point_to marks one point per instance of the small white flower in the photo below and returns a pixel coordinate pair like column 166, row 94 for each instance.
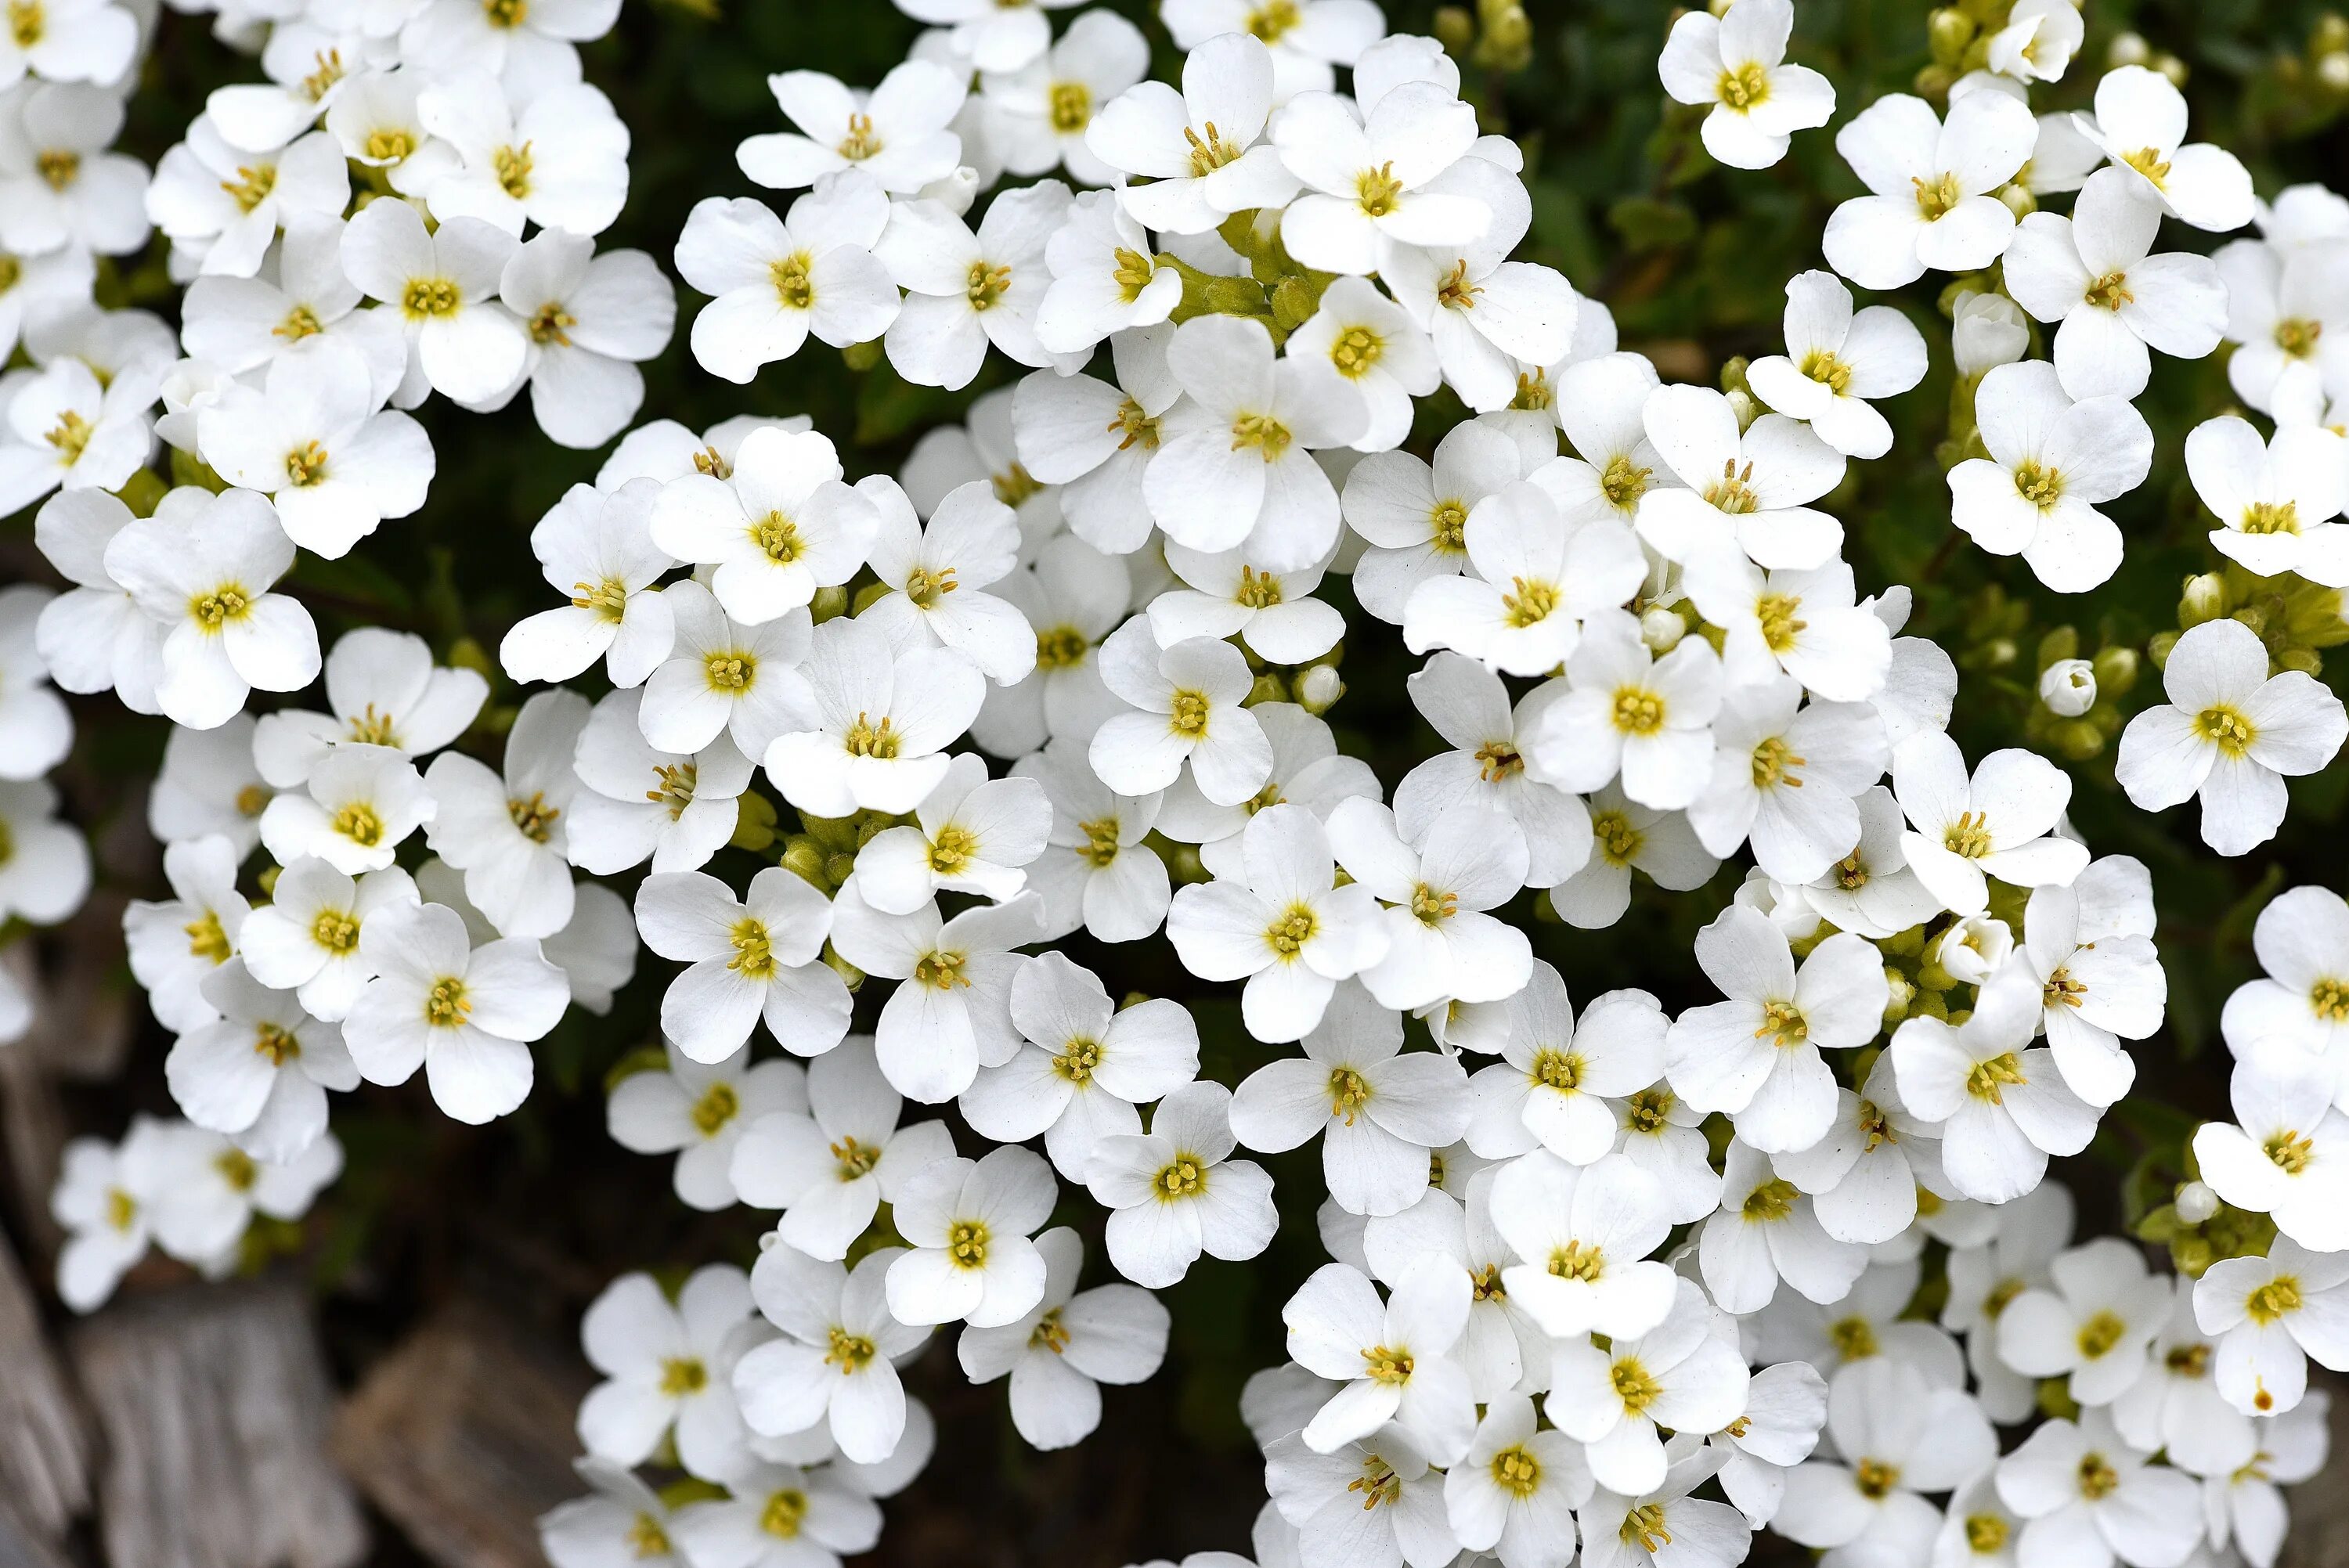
column 558, row 159
column 2051, row 459
column 2278, row 502
column 752, row 958
column 965, row 290
column 1767, row 1230
column 2087, row 1497
column 1175, row 1193
column 2091, row 946
column 465, row 1014
column 93, row 637
column 862, row 728
column 384, row 690
column 597, row 548
column 2090, row 1324
column 936, row 576
column 830, row 1167
column 69, row 41
column 59, row 186
column 1897, row 1437
column 2000, row 823
column 1932, row 181
column 223, row 204
column 462, row 343
column 2092, row 273
column 2231, row 733
column 777, row 527
column 1622, row 710
column 1392, row 1359
column 1280, row 925
column 775, row 281
column 676, row 807
column 2141, row 123
column 950, row 1013
column 2286, row 1154
column 836, row 1363
column 1066, row 1344
column 1415, row 516
column 1368, row 185
column 590, row 318
column 667, row 1366
column 1198, row 148
column 1188, row 708
column 507, row 834
column 1379, row 1109
column 716, row 676
column 1839, row 362
column 1535, row 583
column 969, row 1224
column 307, row 937
column 175, row 945
column 1584, row 1232
column 897, row 134
column 260, row 1073
column 61, row 428
column 356, row 809
column 1736, row 63
column 1748, row 491
column 1679, row 1376
column 1441, row 941
column 2301, row 939
column 2270, row 1315
column 2003, row 1108
column 971, row 834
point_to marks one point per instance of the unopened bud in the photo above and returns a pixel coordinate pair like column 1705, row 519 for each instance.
column 1267, row 687
column 2331, row 35
column 2068, row 687
column 862, row 356
column 2333, row 72
column 1747, row 408
column 2204, row 598
column 829, row 604
column 1948, row 30
column 1661, row 629
column 803, row 857
column 2173, row 68
column 2129, row 49
column 2115, row 668
column 2019, row 199
column 2157, row 648
column 850, row 975
column 954, row 192
column 1319, row 689
column 2196, row 1201
column 1454, row 28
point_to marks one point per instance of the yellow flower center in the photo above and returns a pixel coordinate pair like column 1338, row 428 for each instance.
column 781, row 1516
column 445, row 1006
column 1188, row 715
column 849, row 1352
column 1969, row 836
column 2110, row 292
column 1936, row 196
column 1771, row 1202
column 986, row 285
column 60, row 166
column 1060, row 648
column 1985, row 1534
column 674, row 790
column 425, row 298
column 2100, row 1334
column 2297, row 337
column 1854, row 1339
column 552, row 324
column 2042, row 487
column 356, row 820
column 301, row 322
column 715, row 1108
column 1557, row 1069
column 1262, row 431
column 1775, row 763
column 2226, row 728
column 1289, row 935
column 1622, row 482
column 1383, row 1364
column 1637, row 711
column 1517, row 1471
column 926, row 585
column 1431, row 907
column 860, row 143
column 1077, row 1060
column 1529, row 603
column 278, row 1044
column 1988, row 1080
column 1455, row 292
column 1137, row 425
column 1049, row 1333
column 1743, row 87
column 953, row 848
column 2097, row 1479
column 1634, row 1385
column 1874, row 1479
column 2329, row 999
column 856, row 1160
column 1783, row 1025
column 1348, row 1092
column 1072, row 107
column 940, row 970
column 1781, row 624
column 732, row 672
column 754, row 950
column 1185, row 1176
column 206, row 939
column 1358, row 349
column 1617, row 838
column 1101, row 846
column 389, row 145
column 335, row 930
column 1734, row 491
column 2273, row 1299
column 1015, row 485
column 1449, row 525
column 70, row 435
column 534, row 817
column 305, row 465
column 25, row 22
column 250, row 187
column 793, row 286
column 1823, row 367
column 2148, row 162
column 966, row 1244
column 1578, row 1260
column 505, row 13
column 1274, row 19
column 1208, row 152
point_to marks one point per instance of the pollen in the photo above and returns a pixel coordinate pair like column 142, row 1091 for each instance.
column 2042, row 485
column 1449, row 522
column 793, row 286
column 1071, row 107
column 1623, row 482
column 1060, row 648
column 986, row 285
column 1184, row 1176
column 1348, row 1092
column 754, row 950
column 778, row 539
column 731, row 672
column 1936, row 197
column 1634, row 1385
column 1830, row 372
column 1528, row 603
column 250, row 187
column 1100, row 847
column 426, row 298
column 1969, row 836
column 715, row 1108
column 1077, row 1060
column 1383, row 1364
column 2099, row 1336
column 533, row 816
column 2110, row 292
column 206, row 939
column 1499, row 759
column 227, row 603
column 1780, row 615
column 1578, row 1260
column 783, row 1514
column 1637, row 711
column 357, row 821
column 1557, row 1069
column 1357, row 350
column 1289, row 935
column 2274, row 1300
column 1137, row 427
column 2226, row 728
column 278, row 1044
column 1745, row 86
column 1775, row 763
column 1988, row 1080
column 940, row 970
column 445, row 1006
column 1617, row 838
column 305, row 465
column 1263, row 432
column 1187, row 716
column 860, row 143
column 926, row 585
column 1733, row 491
column 1771, row 1202
column 955, row 848
column 1517, row 1471
column 1783, row 1025
column 966, row 1244
column 60, row 167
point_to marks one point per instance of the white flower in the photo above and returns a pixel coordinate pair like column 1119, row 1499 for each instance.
column 2091, row 1324
column 175, row 945
column 1235, row 467
column 1084, row 1065
column 384, row 691
column 2051, row 459
column 259, row 1073
column 2286, row 1154
column 2091, row 946
column 1307, row 770
column 1036, row 115
column 1805, row 622
column 622, row 1520
column 2088, row 1498
column 558, row 158
column 93, row 636
column 356, row 809
column 507, row 834
column 1535, row 583
column 2002, row 1109
column 1767, row 1230
column 1380, row 1109
column 836, row 1364
column 2038, row 42
column 676, row 807
column 2302, row 942
column 1469, row 706
column 1735, row 62
column 2178, row 1405
column 2278, row 502
column 1487, row 315
column 597, row 548
column 1556, row 1078
column 1679, row 1376
column 779, row 526
column 111, row 1201
column 1512, row 1492
column 1441, row 941
column 1095, row 440
column 1625, row 711
column 209, row 785
column 1625, row 834
column 1415, row 516
column 2270, row 1315
column 1307, row 37
column 1096, row 869
column 2247, row 1506
column 462, row 341
column 1998, row 824
column 1837, row 363
column 2067, row 688
column 1749, row 491
column 306, row 939
column 529, row 50
column 1898, row 1438
column 965, row 290
column 2287, row 317
column 1188, row 702
column 1280, row 925
column 862, row 728
column 1931, row 182
column 775, row 281
column 1871, row 892
column 1865, row 1175
column 716, row 676
column 64, row 429
column 1104, row 277
column 897, row 134
column 1198, row 148
column 935, row 577
column 69, row 41
column 589, row 318
column 1393, row 1359
column 2141, row 123
column 747, row 959
column 59, row 186
column 1273, row 612
column 969, row 1224
column 950, row 1014
column 1065, row 1345
column 666, row 1365
column 972, row 834
column 1789, row 778
column 466, row 1015
column 830, row 1166
column 1319, row 1496
column 1584, row 1232
column 1756, row 1055
column 223, row 204
column 831, row 1513
column 1368, row 180
column 332, row 465
column 2231, row 733
column 2092, row 273
column 1175, row 1192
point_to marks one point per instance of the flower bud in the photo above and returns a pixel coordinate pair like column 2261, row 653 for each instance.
column 2196, row 1201
column 2068, row 687
column 2115, row 669
column 1661, row 629
column 2204, row 598
column 2129, row 49
column 1267, row 687
column 1948, row 30
column 1319, row 689
column 1454, row 29
column 2333, row 72
column 803, row 857
column 2019, row 199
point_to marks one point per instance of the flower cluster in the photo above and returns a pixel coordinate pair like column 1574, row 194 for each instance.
column 853, row 753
